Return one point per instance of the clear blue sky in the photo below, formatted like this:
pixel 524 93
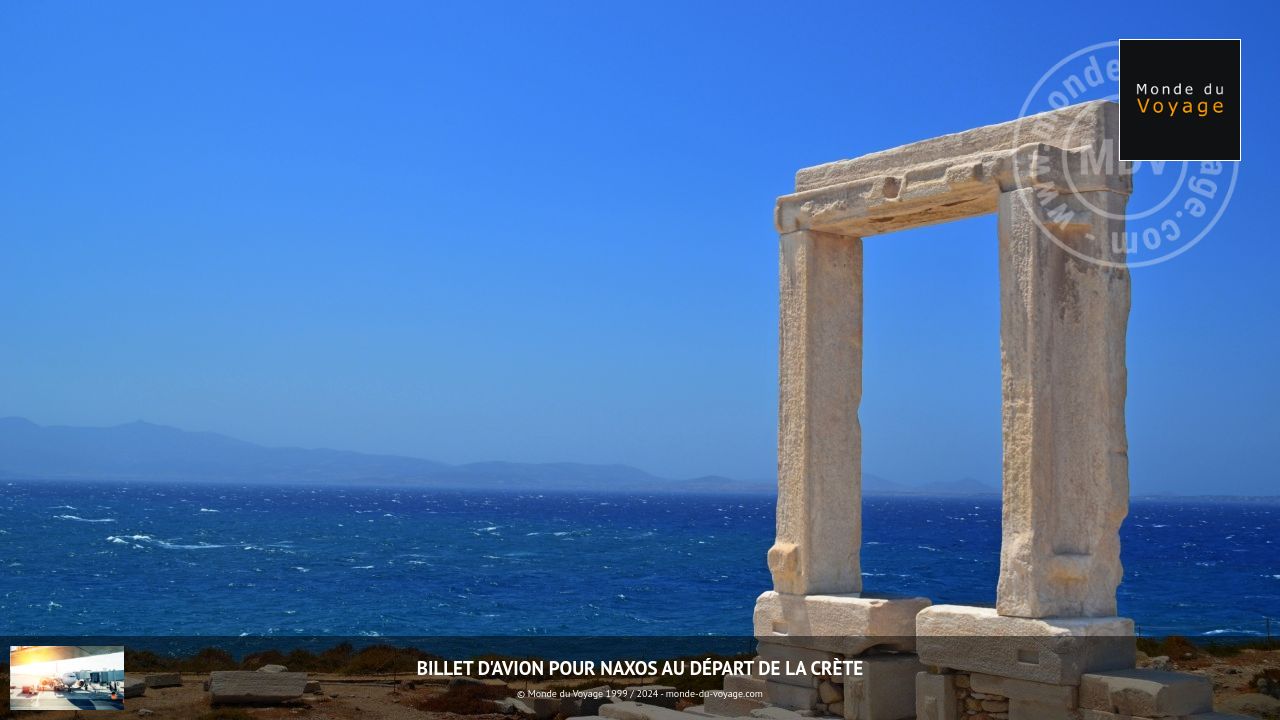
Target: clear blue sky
pixel 543 231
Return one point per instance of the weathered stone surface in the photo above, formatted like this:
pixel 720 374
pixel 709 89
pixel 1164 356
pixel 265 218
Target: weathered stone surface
pixel 885 690
pixel 790 656
pixel 840 624
pixel 628 710
pixel 743 684
pixel 1148 693
pixel 725 706
pixel 749 691
pixel 1072 126
pixel 273 668
pixel 1035 710
pixel 950 190
pixel 1056 651
pixel 661 695
pixel 313 686
pixel 775 649
pixel 164 680
pixel 904 187
pixel 791 697
pixel 238 687
pixel 936 697
pixel 135 687
pixel 819 516
pixel 1066 478
pixel 776 713
pixel 863 208
pixel 1061 695
pixel 829 692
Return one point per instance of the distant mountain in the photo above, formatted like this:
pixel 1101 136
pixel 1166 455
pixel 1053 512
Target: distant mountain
pixel 144 451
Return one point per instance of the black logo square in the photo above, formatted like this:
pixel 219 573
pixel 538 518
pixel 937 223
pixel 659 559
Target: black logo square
pixel 1179 99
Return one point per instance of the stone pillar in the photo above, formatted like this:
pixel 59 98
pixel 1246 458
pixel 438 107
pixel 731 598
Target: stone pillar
pixel 819 518
pixel 1062 346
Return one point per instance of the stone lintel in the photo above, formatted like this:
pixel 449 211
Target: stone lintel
pixel 949 189
pixel 1085 124
pixel 841 624
pixel 1057 651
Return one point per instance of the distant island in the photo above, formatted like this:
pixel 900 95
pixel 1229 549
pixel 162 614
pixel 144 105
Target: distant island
pixel 141 451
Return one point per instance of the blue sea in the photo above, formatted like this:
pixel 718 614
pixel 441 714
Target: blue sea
pixel 148 559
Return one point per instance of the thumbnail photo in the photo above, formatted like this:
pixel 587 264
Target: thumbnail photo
pixel 66 677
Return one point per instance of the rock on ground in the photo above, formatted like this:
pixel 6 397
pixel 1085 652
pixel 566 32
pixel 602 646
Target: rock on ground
pixel 237 687
pixel 1252 704
pixel 164 680
pixel 512 706
pixel 135 688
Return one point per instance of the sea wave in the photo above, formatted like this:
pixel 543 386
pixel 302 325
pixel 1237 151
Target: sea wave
pixel 80 519
pixel 165 544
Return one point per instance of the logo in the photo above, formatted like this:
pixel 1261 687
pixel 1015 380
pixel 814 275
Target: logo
pixel 1180 100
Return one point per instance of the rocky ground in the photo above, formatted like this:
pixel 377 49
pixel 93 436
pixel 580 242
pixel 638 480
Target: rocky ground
pixel 1240 679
